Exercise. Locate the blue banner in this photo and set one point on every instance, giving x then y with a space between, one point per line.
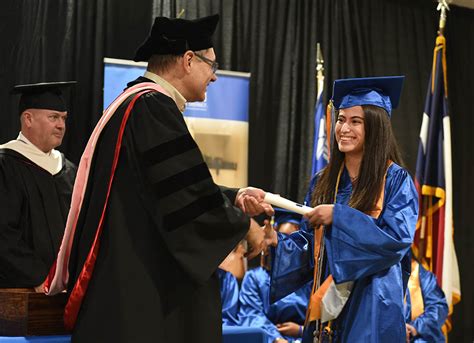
320 145
226 99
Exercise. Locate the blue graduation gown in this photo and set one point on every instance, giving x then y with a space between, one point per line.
428 325
229 296
256 310
371 252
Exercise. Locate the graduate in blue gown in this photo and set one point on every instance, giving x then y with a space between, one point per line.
229 288
426 306
363 223
282 321
230 272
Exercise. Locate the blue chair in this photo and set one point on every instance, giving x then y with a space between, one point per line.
243 334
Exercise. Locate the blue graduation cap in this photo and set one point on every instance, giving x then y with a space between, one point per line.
383 92
284 216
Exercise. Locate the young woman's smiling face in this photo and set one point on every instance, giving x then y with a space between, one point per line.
350 130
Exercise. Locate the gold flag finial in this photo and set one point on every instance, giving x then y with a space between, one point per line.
319 58
443 7
180 14
319 69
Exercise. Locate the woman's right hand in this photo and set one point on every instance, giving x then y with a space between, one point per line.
320 215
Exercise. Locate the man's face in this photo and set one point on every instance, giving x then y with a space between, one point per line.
46 128
203 75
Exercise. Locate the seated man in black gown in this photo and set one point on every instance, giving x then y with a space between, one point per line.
35 188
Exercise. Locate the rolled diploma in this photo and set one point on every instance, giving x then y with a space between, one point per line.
289 205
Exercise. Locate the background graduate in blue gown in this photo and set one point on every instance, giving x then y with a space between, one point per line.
230 272
363 223
229 288
426 306
283 320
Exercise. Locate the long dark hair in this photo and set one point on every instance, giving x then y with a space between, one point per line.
380 147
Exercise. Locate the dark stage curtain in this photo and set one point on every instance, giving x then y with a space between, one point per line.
274 40
48 40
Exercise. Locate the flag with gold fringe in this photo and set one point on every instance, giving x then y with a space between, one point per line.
434 245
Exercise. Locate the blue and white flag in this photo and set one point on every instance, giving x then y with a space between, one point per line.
320 145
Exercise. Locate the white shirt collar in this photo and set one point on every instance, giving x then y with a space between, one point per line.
179 100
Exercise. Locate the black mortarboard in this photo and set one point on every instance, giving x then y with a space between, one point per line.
46 95
285 216
176 36
383 92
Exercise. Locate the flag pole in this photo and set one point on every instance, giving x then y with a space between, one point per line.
319 70
319 94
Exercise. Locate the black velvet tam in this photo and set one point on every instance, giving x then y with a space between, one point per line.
176 36
46 95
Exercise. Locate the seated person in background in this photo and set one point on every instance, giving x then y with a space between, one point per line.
426 307
283 320
230 270
36 183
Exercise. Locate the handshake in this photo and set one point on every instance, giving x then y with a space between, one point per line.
254 201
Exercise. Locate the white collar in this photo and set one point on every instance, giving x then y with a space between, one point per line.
50 161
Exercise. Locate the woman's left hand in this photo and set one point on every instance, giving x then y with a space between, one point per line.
289 329
320 215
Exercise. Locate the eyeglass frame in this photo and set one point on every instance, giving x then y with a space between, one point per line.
213 64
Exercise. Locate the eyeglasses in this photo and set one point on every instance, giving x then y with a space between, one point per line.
213 64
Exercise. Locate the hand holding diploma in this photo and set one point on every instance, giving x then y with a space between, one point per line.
251 201
320 215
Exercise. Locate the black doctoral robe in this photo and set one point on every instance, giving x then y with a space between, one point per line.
33 210
166 229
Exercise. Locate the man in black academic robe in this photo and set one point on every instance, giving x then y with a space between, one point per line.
36 184
163 225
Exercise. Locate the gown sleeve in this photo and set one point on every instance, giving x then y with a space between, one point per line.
252 305
428 325
198 223
358 245
292 259
292 263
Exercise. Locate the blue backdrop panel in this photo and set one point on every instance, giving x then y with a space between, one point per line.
227 99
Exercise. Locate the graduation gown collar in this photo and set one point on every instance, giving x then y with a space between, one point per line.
51 161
